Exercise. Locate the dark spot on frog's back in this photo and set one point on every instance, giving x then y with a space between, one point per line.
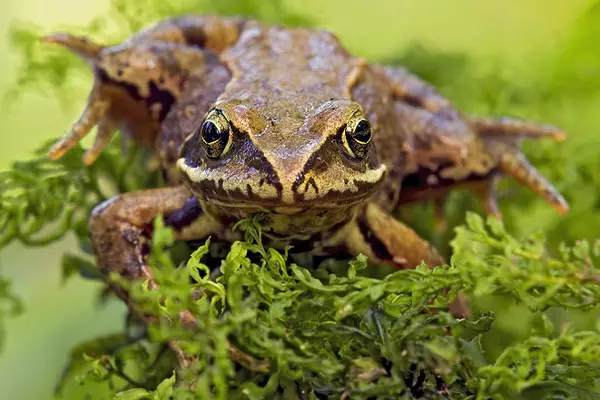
156 96
194 35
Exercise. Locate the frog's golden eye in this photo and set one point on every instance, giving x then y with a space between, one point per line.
357 136
215 134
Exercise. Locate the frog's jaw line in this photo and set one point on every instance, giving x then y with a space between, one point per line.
253 187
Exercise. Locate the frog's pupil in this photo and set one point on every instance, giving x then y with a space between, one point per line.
210 132
362 132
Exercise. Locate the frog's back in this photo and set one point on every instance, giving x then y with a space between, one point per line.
270 60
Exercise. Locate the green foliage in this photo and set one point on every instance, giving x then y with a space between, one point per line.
290 332
10 306
489 257
258 325
42 200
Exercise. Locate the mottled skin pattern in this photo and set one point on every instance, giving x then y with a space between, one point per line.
251 118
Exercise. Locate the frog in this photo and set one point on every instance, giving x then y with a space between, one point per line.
248 118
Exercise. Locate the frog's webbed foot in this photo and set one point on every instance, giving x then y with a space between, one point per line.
502 138
97 106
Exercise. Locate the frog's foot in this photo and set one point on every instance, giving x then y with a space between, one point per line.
93 115
135 85
97 107
502 137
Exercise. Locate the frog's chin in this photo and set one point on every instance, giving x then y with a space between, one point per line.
285 221
276 207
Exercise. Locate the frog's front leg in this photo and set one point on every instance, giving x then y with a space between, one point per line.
137 82
121 228
384 239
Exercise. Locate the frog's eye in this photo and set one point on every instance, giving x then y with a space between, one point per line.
357 136
215 134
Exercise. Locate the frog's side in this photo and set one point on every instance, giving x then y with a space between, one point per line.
250 118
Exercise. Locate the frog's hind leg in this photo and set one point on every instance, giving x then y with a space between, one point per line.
502 138
134 88
137 82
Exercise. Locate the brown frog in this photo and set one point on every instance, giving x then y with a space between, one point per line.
251 118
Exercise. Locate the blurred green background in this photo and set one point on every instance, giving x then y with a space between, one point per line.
512 36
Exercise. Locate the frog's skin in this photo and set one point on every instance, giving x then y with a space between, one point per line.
252 118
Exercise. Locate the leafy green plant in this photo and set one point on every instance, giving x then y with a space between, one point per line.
263 324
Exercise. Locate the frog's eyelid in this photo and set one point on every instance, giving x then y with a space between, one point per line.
344 136
228 144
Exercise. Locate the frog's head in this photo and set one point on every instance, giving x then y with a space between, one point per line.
282 155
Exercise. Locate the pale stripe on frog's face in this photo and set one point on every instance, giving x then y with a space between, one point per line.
299 157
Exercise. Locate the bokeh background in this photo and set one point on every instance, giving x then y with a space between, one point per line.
502 42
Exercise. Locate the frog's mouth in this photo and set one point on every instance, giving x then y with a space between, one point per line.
288 197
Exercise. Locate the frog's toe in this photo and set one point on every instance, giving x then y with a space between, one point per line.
515 128
79 45
502 137
515 164
94 114
104 133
